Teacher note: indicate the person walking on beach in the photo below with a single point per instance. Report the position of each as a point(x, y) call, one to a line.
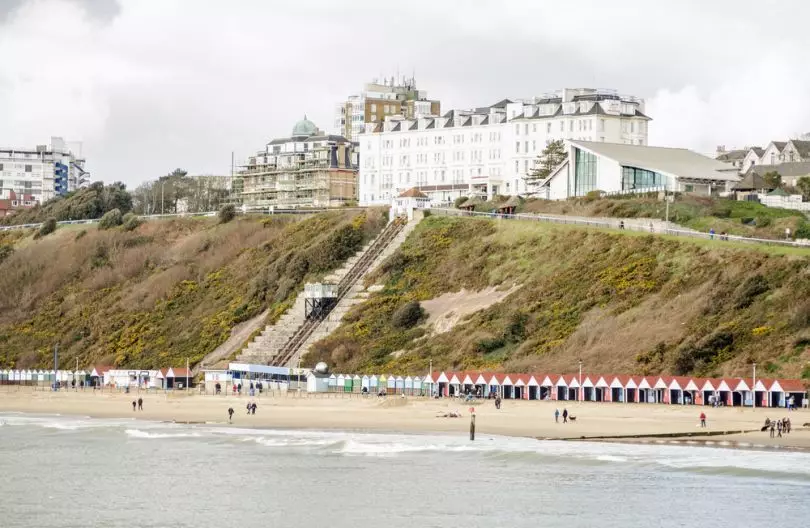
point(556, 416)
point(779, 428)
point(248, 407)
point(497, 402)
point(703, 419)
point(773, 428)
point(253, 408)
point(565, 415)
point(230, 414)
point(134, 403)
point(140, 404)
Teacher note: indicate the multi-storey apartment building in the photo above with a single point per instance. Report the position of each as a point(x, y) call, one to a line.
point(378, 101)
point(307, 169)
point(488, 150)
point(42, 172)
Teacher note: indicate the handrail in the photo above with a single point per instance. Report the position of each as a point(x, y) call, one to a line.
point(288, 351)
point(623, 224)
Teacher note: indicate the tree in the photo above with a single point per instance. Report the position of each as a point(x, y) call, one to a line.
point(773, 179)
point(227, 213)
point(804, 186)
point(111, 219)
point(548, 160)
point(47, 227)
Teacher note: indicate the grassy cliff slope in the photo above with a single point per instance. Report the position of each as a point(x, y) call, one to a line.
point(695, 212)
point(622, 302)
point(167, 291)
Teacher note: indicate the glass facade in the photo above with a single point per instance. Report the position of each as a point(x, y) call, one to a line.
point(633, 178)
point(584, 172)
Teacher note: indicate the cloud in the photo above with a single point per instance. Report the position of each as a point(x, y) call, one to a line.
point(151, 85)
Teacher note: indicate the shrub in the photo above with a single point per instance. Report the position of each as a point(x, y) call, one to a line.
point(750, 290)
point(407, 315)
point(48, 227)
point(763, 221)
point(803, 230)
point(80, 234)
point(592, 196)
point(806, 372)
point(131, 222)
point(111, 219)
point(460, 200)
point(5, 252)
point(227, 213)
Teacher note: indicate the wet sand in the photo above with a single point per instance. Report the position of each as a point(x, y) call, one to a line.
point(604, 421)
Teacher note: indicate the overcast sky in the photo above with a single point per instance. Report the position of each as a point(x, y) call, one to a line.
point(150, 85)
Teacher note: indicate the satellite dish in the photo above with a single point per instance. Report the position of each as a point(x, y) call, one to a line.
point(322, 368)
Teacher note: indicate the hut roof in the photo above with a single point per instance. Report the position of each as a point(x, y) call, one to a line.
point(751, 182)
point(513, 201)
point(413, 192)
point(778, 192)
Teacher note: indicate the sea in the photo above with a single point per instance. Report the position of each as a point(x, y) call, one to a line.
point(62, 471)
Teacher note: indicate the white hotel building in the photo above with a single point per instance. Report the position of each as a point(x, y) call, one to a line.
point(489, 150)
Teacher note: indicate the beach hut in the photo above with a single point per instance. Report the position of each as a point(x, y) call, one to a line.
point(587, 389)
point(429, 386)
point(390, 384)
point(418, 388)
point(357, 383)
point(691, 392)
point(675, 389)
point(645, 390)
point(3, 376)
point(348, 383)
point(561, 388)
point(365, 383)
point(495, 384)
point(399, 385)
point(618, 390)
point(661, 388)
point(333, 383)
point(409, 385)
point(760, 394)
point(708, 391)
point(455, 383)
point(481, 385)
point(519, 392)
point(373, 384)
point(507, 387)
point(443, 383)
point(574, 388)
point(724, 391)
point(794, 389)
point(546, 388)
point(776, 394)
point(741, 393)
point(601, 389)
point(533, 388)
point(340, 383)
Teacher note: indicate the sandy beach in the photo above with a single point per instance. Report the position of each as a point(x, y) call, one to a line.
point(601, 421)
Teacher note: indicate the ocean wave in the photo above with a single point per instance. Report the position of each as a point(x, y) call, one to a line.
point(137, 433)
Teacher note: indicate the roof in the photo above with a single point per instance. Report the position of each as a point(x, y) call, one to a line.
point(513, 201)
point(795, 168)
point(778, 192)
point(779, 145)
point(759, 151)
point(732, 155)
point(413, 192)
point(751, 182)
point(305, 127)
point(501, 104)
point(802, 147)
point(680, 163)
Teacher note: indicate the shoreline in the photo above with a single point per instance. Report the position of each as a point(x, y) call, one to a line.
point(596, 422)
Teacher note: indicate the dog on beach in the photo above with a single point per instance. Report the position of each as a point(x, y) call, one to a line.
point(572, 418)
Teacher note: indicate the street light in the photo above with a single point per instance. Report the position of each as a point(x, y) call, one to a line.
point(581, 394)
point(754, 386)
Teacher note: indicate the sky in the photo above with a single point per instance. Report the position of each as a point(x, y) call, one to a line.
point(152, 85)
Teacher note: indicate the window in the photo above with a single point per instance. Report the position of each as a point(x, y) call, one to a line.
point(632, 127)
point(526, 147)
point(526, 166)
point(517, 166)
point(1, 166)
point(373, 110)
point(534, 127)
point(633, 178)
point(689, 188)
point(601, 125)
point(517, 130)
point(526, 128)
point(29, 168)
point(584, 173)
point(562, 126)
point(571, 126)
point(517, 147)
point(534, 146)
point(548, 128)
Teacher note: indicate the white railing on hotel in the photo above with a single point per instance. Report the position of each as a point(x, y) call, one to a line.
point(618, 224)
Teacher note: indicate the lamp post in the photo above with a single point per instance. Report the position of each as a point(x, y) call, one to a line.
point(754, 386)
point(581, 393)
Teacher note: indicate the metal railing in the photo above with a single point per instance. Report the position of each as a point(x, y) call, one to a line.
point(620, 225)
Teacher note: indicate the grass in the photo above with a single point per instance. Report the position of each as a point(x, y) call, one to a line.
point(621, 301)
point(165, 291)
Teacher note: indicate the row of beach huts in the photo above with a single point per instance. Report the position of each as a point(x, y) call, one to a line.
point(683, 390)
point(165, 378)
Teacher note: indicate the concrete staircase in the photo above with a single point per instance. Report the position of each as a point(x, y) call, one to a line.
point(275, 340)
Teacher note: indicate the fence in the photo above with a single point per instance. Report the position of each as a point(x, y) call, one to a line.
point(619, 224)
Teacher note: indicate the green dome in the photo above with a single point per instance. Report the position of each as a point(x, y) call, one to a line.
point(305, 127)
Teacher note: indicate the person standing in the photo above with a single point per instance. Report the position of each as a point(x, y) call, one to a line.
point(773, 428)
point(497, 402)
point(253, 408)
point(565, 415)
point(230, 414)
point(703, 419)
point(556, 416)
point(140, 404)
point(711, 234)
point(133, 405)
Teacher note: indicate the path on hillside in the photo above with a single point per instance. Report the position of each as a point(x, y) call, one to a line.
point(239, 334)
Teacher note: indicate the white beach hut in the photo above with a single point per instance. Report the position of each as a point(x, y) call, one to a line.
point(374, 384)
point(391, 384)
point(588, 389)
point(417, 386)
point(601, 389)
point(494, 384)
point(399, 385)
point(533, 388)
point(561, 388)
point(409, 385)
point(365, 383)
